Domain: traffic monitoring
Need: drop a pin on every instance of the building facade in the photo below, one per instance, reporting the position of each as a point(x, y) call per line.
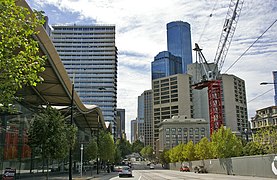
point(275, 86)
point(89, 55)
point(264, 117)
point(172, 96)
point(179, 42)
point(165, 64)
point(133, 130)
point(120, 123)
point(180, 129)
point(234, 103)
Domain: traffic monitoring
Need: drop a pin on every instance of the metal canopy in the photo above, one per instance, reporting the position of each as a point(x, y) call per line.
point(56, 88)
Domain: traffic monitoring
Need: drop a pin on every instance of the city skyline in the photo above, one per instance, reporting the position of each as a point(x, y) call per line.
point(141, 34)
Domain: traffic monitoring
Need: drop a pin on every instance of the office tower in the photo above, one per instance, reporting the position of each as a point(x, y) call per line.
point(89, 55)
point(165, 64)
point(275, 86)
point(145, 120)
point(234, 103)
point(120, 123)
point(133, 130)
point(172, 96)
point(179, 42)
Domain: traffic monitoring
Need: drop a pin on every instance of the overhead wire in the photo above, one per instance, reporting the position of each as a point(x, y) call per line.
point(250, 47)
point(260, 95)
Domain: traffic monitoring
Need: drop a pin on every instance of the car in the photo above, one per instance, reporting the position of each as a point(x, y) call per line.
point(200, 169)
point(184, 169)
point(125, 171)
point(151, 166)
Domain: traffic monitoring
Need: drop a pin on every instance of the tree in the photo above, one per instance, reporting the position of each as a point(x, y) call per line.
point(124, 147)
point(49, 136)
point(176, 154)
point(189, 152)
point(91, 150)
point(147, 152)
point(106, 147)
point(20, 62)
point(203, 149)
point(225, 144)
point(137, 146)
point(267, 139)
point(164, 157)
point(253, 148)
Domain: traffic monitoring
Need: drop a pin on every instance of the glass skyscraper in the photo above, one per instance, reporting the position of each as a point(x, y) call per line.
point(89, 54)
point(165, 64)
point(179, 42)
point(275, 86)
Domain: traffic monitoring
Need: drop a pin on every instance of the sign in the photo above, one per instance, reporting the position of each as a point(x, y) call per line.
point(9, 174)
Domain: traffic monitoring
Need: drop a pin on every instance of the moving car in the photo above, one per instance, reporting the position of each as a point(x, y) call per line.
point(200, 169)
point(184, 169)
point(125, 171)
point(151, 166)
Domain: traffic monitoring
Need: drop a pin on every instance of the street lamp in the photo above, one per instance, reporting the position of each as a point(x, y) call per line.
point(266, 83)
point(82, 147)
point(71, 122)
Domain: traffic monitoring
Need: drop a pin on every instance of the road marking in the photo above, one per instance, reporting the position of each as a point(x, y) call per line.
point(139, 178)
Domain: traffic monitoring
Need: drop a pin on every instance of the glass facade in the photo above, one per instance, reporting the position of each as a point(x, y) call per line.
point(89, 55)
point(275, 86)
point(165, 64)
point(179, 42)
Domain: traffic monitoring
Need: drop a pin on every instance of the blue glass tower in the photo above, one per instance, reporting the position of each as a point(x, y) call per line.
point(275, 86)
point(165, 64)
point(179, 42)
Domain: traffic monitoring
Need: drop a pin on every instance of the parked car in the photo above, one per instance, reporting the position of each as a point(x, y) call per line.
point(200, 169)
point(125, 171)
point(184, 169)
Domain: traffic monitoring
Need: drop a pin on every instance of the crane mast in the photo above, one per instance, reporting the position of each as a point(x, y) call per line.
point(212, 80)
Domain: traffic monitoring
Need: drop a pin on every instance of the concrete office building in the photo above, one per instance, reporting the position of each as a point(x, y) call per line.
point(165, 64)
point(89, 55)
point(234, 103)
point(133, 130)
point(145, 117)
point(172, 96)
point(179, 42)
point(180, 129)
point(120, 123)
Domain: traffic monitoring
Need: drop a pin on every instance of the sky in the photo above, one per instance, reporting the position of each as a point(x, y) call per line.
point(141, 35)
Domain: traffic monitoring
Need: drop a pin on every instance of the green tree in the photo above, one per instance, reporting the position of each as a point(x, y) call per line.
point(106, 147)
point(137, 146)
point(147, 152)
point(203, 149)
point(189, 152)
point(164, 157)
point(253, 148)
point(49, 136)
point(267, 139)
point(91, 150)
point(225, 144)
point(20, 62)
point(177, 153)
point(124, 147)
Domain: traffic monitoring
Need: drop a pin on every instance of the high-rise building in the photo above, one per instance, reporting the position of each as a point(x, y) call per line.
point(144, 119)
point(179, 42)
point(89, 55)
point(275, 86)
point(133, 130)
point(172, 96)
point(234, 103)
point(165, 64)
point(120, 123)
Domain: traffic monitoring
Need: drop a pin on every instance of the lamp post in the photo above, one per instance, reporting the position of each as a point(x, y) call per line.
point(266, 83)
point(246, 134)
point(97, 142)
point(81, 169)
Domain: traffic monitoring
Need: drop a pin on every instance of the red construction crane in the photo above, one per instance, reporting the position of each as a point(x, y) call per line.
point(211, 78)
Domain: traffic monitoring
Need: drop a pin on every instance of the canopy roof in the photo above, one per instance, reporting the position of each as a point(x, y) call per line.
point(56, 89)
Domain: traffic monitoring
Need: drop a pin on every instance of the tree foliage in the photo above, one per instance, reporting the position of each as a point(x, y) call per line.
point(203, 149)
point(266, 138)
point(137, 146)
point(225, 144)
point(106, 147)
point(20, 61)
point(147, 152)
point(49, 135)
point(124, 147)
point(91, 150)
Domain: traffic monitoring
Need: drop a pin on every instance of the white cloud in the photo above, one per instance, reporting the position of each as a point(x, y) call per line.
point(141, 34)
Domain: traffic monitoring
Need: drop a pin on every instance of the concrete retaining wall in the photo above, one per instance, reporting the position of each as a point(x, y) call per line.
point(261, 166)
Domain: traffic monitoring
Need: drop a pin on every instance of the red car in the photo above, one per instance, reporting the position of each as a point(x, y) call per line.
point(184, 169)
